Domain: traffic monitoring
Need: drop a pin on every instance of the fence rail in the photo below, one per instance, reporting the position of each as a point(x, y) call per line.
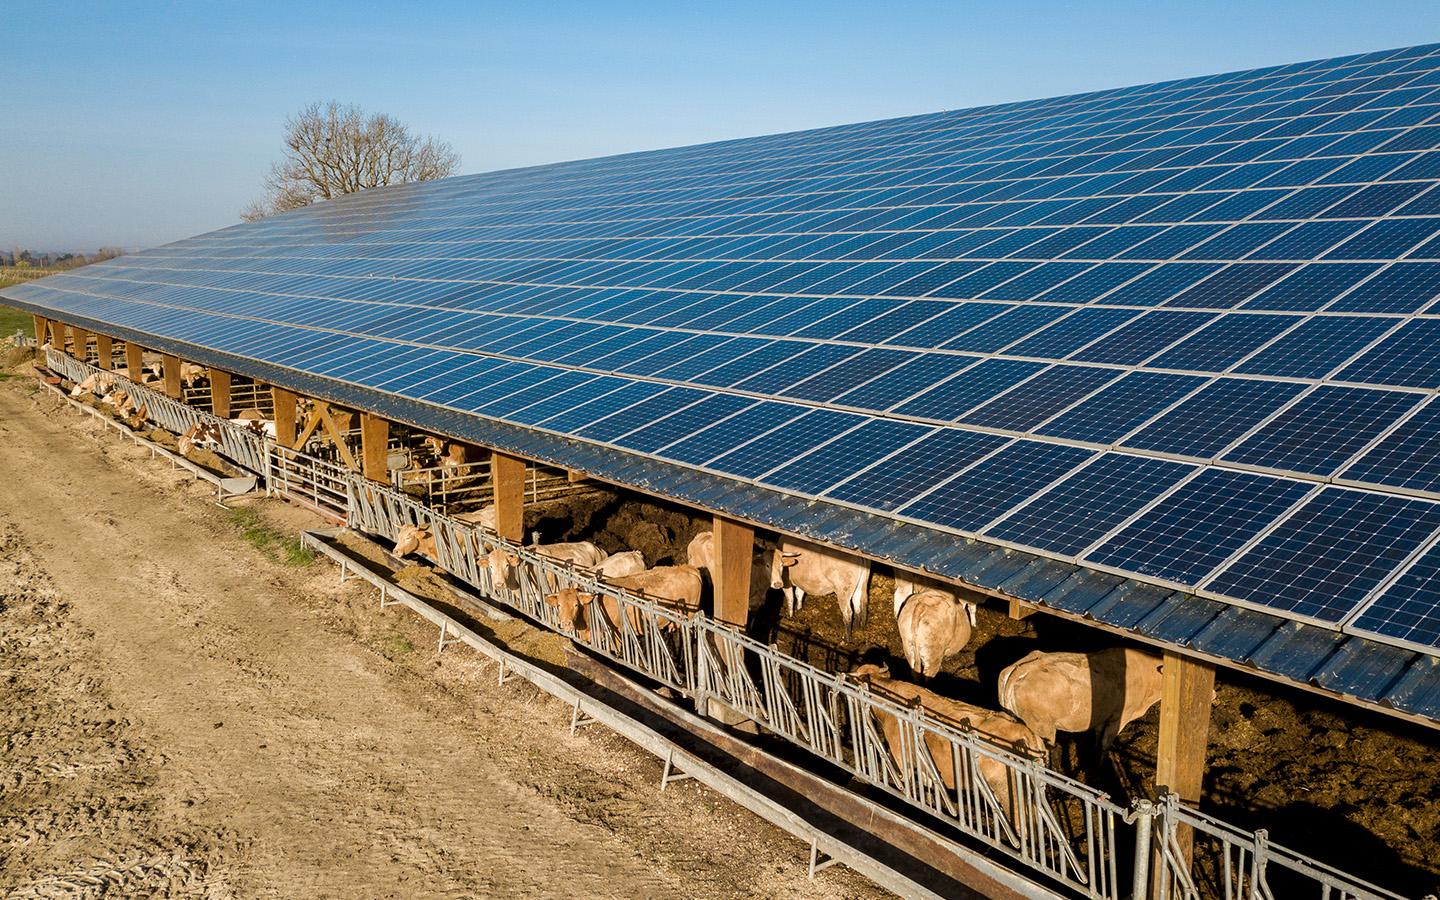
point(1088, 845)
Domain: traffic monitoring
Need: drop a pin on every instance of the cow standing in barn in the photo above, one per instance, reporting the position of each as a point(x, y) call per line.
point(798, 569)
point(503, 564)
point(1100, 692)
point(672, 587)
point(934, 624)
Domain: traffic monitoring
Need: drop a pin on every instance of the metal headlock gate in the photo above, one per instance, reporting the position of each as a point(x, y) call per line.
point(1014, 804)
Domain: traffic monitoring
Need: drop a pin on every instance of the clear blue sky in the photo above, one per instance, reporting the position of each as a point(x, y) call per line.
point(138, 123)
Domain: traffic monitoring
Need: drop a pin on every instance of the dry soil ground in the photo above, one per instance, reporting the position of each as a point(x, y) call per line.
point(184, 715)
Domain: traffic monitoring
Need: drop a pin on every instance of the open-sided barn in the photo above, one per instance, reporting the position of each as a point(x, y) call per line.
point(1162, 359)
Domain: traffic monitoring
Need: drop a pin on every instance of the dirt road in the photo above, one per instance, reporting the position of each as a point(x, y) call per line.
point(183, 716)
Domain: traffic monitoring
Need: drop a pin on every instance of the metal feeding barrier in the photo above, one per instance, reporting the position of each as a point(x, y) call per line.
point(1006, 801)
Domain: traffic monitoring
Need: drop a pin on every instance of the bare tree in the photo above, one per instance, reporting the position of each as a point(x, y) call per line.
point(332, 149)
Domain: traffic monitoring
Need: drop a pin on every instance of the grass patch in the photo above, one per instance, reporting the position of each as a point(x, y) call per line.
point(279, 547)
point(12, 319)
point(391, 645)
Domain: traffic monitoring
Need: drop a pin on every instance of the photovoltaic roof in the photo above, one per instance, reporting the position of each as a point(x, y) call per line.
point(1184, 333)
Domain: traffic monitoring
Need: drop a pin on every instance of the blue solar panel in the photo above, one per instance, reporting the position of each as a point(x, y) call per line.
point(1406, 457)
point(905, 381)
point(1327, 556)
point(1311, 287)
point(637, 415)
point(1409, 610)
point(1069, 334)
point(572, 417)
point(1316, 347)
point(668, 429)
point(949, 400)
point(662, 359)
point(1196, 528)
point(1078, 511)
point(1224, 342)
point(848, 454)
point(1400, 288)
point(840, 378)
point(1142, 338)
point(1385, 239)
point(733, 363)
point(1037, 399)
point(1232, 285)
point(785, 443)
point(1005, 329)
point(915, 470)
point(1214, 417)
point(640, 346)
point(956, 320)
point(1094, 283)
point(1324, 429)
point(727, 434)
point(896, 320)
point(1410, 358)
point(975, 497)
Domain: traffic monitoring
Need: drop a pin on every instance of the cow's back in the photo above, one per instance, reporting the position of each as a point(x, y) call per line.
point(1051, 692)
point(1135, 677)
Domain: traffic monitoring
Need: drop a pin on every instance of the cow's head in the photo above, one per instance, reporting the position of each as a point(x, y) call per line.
point(779, 562)
point(570, 610)
point(407, 540)
point(870, 671)
point(502, 564)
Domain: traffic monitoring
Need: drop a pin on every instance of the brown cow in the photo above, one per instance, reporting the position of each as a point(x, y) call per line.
point(933, 627)
point(1101, 692)
point(995, 727)
point(415, 539)
point(701, 552)
point(673, 587)
point(502, 563)
point(799, 569)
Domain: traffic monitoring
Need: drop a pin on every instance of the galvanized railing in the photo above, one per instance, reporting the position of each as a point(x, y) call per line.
point(1232, 864)
point(242, 446)
point(1011, 803)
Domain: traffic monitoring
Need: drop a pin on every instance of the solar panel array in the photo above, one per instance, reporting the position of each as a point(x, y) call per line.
point(1184, 332)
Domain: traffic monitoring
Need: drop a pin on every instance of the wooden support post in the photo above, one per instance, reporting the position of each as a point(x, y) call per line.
point(134, 361)
point(284, 416)
point(1020, 610)
point(375, 446)
point(1187, 691)
point(57, 335)
point(220, 392)
point(42, 327)
point(507, 473)
point(82, 343)
point(171, 368)
point(105, 350)
point(730, 573)
point(734, 553)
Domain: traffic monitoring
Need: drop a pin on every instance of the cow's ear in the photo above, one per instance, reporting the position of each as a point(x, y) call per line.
point(483, 562)
point(585, 598)
point(788, 561)
point(513, 559)
point(552, 599)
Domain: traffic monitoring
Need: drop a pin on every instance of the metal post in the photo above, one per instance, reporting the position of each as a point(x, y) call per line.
point(1144, 820)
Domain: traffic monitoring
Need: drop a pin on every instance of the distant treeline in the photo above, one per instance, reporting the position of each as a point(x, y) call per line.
point(23, 258)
